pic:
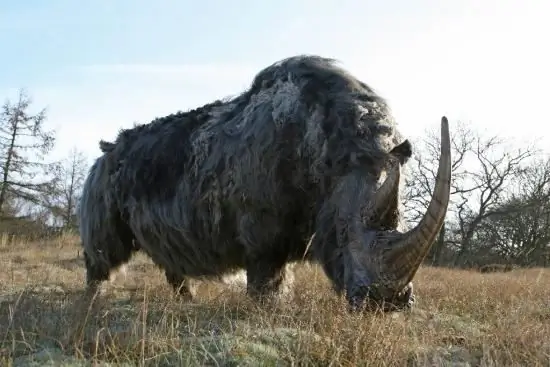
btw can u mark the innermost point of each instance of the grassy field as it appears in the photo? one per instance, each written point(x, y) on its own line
point(461, 318)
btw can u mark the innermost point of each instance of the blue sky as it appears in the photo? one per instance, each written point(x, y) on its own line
point(101, 65)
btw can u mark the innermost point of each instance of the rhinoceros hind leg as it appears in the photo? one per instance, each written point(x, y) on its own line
point(183, 286)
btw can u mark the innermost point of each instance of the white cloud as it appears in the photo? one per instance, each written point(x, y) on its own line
point(480, 64)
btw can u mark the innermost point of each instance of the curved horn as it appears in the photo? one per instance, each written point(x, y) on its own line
point(406, 253)
point(385, 193)
point(386, 196)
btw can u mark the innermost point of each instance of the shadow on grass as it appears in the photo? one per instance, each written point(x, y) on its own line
point(148, 328)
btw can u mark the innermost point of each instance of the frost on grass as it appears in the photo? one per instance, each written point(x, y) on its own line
point(260, 347)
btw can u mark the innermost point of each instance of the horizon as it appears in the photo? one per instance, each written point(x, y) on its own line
point(99, 68)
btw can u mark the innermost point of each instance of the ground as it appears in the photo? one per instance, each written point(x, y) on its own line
point(462, 318)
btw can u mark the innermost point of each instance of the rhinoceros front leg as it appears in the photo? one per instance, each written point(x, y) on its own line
point(266, 255)
point(265, 275)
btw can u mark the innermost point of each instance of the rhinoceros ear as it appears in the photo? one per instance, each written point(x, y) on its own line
point(106, 146)
point(402, 152)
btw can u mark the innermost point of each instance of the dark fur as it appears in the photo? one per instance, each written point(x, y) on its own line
point(243, 183)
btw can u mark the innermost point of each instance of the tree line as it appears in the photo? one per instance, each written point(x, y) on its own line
point(499, 210)
point(38, 196)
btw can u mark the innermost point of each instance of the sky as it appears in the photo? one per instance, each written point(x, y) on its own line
point(98, 66)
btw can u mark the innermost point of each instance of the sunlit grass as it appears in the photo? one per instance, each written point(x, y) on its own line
point(499, 319)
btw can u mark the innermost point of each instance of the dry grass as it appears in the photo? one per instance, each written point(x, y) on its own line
point(461, 318)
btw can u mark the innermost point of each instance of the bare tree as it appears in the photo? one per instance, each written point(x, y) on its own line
point(519, 231)
point(63, 199)
point(421, 179)
point(23, 145)
point(498, 168)
point(483, 169)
